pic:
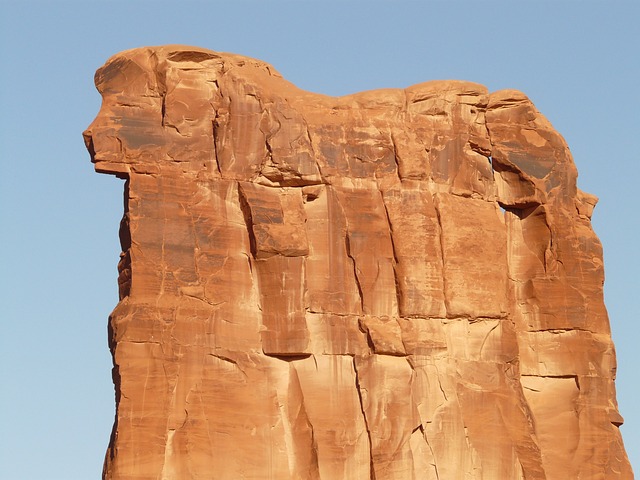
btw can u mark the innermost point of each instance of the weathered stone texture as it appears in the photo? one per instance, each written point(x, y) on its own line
point(398, 284)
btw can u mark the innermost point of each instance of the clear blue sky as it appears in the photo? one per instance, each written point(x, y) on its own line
point(577, 60)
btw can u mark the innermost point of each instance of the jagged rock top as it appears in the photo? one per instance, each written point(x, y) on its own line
point(145, 90)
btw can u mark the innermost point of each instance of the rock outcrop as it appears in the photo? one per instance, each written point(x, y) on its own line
point(396, 284)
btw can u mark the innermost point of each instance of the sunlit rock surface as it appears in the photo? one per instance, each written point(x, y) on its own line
point(396, 284)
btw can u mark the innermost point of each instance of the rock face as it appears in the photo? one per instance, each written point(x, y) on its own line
point(397, 284)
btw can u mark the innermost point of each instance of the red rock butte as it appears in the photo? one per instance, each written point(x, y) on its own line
point(395, 284)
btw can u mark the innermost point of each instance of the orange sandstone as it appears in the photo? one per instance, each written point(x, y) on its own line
point(396, 284)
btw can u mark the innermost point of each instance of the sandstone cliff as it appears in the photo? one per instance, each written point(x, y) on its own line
point(397, 284)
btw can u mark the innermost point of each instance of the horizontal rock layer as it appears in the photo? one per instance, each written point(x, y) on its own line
point(396, 284)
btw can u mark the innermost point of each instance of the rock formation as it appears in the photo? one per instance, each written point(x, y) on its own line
point(396, 284)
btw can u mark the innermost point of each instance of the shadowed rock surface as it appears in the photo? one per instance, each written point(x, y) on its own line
point(396, 284)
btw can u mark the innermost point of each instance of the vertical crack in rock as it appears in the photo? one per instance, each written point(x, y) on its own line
point(348, 266)
point(372, 474)
point(248, 220)
point(445, 285)
point(215, 141)
point(484, 340)
point(393, 250)
point(356, 274)
point(426, 440)
point(124, 265)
